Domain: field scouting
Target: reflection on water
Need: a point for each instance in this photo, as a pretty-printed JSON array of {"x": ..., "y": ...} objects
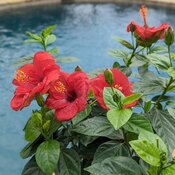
[{"x": 83, "y": 31}]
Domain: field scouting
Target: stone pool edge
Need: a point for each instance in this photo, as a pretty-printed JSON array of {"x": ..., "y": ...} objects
[{"x": 13, "y": 4}]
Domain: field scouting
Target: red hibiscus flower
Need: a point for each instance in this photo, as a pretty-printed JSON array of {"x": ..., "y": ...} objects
[
  {"x": 68, "y": 95},
  {"x": 32, "y": 79},
  {"x": 145, "y": 35},
  {"x": 121, "y": 83}
]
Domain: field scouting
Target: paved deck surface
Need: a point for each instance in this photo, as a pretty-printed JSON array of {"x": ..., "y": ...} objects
[{"x": 8, "y": 4}]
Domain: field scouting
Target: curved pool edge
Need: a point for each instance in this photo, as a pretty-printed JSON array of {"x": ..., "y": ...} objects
[{"x": 14, "y": 4}]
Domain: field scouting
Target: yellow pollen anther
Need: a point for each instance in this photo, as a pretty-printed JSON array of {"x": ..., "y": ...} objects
[
  {"x": 59, "y": 87},
  {"x": 21, "y": 76},
  {"x": 117, "y": 86},
  {"x": 143, "y": 12}
]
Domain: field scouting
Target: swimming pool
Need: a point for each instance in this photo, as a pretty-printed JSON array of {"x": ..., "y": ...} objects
[{"x": 85, "y": 31}]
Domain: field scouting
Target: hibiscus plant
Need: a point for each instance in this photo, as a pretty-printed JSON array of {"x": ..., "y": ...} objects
[{"x": 101, "y": 124}]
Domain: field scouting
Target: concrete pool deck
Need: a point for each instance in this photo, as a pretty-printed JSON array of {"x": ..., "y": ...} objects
[{"x": 11, "y": 4}]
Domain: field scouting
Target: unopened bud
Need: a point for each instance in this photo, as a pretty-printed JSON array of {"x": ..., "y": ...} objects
[
  {"x": 40, "y": 100},
  {"x": 78, "y": 68},
  {"x": 169, "y": 36},
  {"x": 108, "y": 77}
]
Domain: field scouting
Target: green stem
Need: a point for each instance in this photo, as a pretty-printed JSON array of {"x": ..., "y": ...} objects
[
  {"x": 140, "y": 50},
  {"x": 132, "y": 55},
  {"x": 132, "y": 38},
  {"x": 112, "y": 90},
  {"x": 164, "y": 92},
  {"x": 169, "y": 52},
  {"x": 93, "y": 102},
  {"x": 44, "y": 45}
]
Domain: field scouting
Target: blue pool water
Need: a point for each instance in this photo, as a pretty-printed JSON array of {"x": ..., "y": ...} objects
[{"x": 83, "y": 31}]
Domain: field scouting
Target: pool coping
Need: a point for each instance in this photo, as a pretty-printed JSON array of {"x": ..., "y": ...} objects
[{"x": 14, "y": 4}]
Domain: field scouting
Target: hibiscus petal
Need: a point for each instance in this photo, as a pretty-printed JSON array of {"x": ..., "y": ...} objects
[
  {"x": 25, "y": 75},
  {"x": 53, "y": 103},
  {"x": 18, "y": 102},
  {"x": 42, "y": 60},
  {"x": 66, "y": 113},
  {"x": 78, "y": 81}
]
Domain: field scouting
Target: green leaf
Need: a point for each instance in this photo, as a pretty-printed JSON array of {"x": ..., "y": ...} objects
[
  {"x": 115, "y": 166},
  {"x": 27, "y": 41},
  {"x": 47, "y": 31},
  {"x": 30, "y": 148},
  {"x": 157, "y": 49},
  {"x": 171, "y": 72},
  {"x": 153, "y": 170},
  {"x": 50, "y": 39},
  {"x": 126, "y": 70},
  {"x": 81, "y": 115},
  {"x": 130, "y": 99},
  {"x": 147, "y": 106},
  {"x": 116, "y": 53},
  {"x": 53, "y": 51},
  {"x": 138, "y": 123},
  {"x": 137, "y": 62},
  {"x": 161, "y": 62},
  {"x": 118, "y": 117},
  {"x": 23, "y": 60},
  {"x": 33, "y": 127},
  {"x": 34, "y": 36},
  {"x": 150, "y": 84},
  {"x": 46, "y": 125},
  {"x": 173, "y": 55},
  {"x": 171, "y": 88},
  {"x": 86, "y": 140},
  {"x": 69, "y": 163},
  {"x": 108, "y": 97},
  {"x": 47, "y": 156},
  {"x": 31, "y": 168},
  {"x": 95, "y": 73},
  {"x": 147, "y": 151},
  {"x": 67, "y": 60},
  {"x": 164, "y": 125},
  {"x": 171, "y": 112},
  {"x": 169, "y": 171},
  {"x": 96, "y": 126},
  {"x": 109, "y": 149},
  {"x": 154, "y": 139},
  {"x": 142, "y": 70},
  {"x": 124, "y": 43}
]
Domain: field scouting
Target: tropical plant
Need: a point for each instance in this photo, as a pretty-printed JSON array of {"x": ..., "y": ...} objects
[{"x": 103, "y": 125}]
